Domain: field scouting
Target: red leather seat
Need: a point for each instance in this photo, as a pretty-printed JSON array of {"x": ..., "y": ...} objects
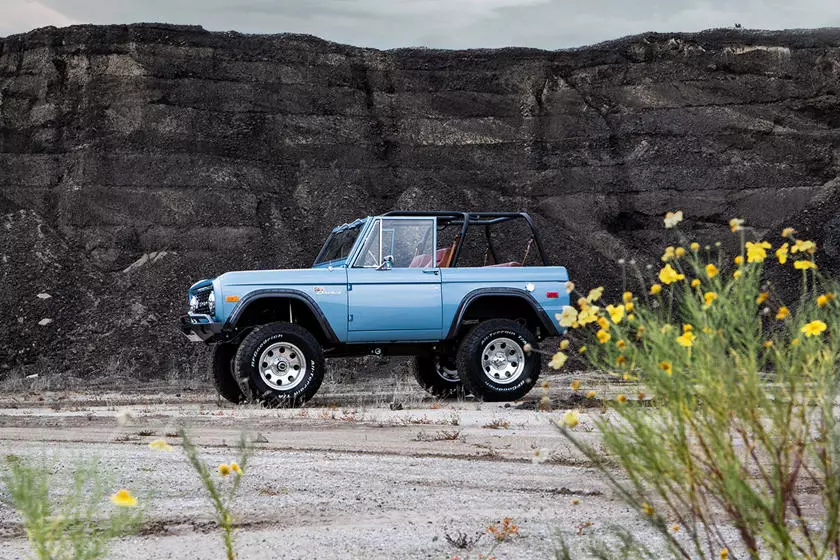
[{"x": 423, "y": 261}]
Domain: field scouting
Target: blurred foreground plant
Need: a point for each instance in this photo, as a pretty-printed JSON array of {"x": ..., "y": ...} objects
[
  {"x": 220, "y": 492},
  {"x": 739, "y": 454},
  {"x": 72, "y": 521}
]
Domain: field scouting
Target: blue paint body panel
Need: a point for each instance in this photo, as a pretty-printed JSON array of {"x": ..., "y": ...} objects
[{"x": 369, "y": 305}]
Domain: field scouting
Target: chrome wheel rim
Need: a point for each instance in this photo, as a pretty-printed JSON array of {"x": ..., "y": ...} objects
[
  {"x": 446, "y": 373},
  {"x": 503, "y": 360},
  {"x": 282, "y": 366}
]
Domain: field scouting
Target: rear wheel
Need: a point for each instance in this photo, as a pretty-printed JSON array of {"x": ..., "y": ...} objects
[
  {"x": 223, "y": 379},
  {"x": 438, "y": 375},
  {"x": 282, "y": 363},
  {"x": 493, "y": 363}
]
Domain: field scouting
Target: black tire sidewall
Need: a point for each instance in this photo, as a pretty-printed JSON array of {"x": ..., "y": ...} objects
[
  {"x": 257, "y": 341},
  {"x": 469, "y": 361},
  {"x": 425, "y": 371},
  {"x": 223, "y": 377}
]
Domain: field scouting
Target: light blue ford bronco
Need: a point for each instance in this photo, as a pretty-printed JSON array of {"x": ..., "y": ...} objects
[{"x": 459, "y": 291}]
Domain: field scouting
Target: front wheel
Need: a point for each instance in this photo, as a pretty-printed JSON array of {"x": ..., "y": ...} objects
[
  {"x": 493, "y": 363},
  {"x": 282, "y": 362},
  {"x": 438, "y": 375},
  {"x": 223, "y": 379}
]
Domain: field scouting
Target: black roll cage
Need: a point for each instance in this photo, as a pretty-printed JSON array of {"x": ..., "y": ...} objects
[{"x": 468, "y": 219}]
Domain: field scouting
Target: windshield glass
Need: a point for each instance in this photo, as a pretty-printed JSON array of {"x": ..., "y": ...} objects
[{"x": 339, "y": 244}]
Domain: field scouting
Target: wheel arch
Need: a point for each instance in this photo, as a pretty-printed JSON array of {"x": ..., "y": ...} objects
[
  {"x": 274, "y": 304},
  {"x": 485, "y": 303}
]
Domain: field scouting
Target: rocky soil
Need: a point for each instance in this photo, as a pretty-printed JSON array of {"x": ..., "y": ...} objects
[{"x": 137, "y": 159}]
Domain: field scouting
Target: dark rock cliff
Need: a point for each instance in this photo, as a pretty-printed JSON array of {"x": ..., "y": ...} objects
[{"x": 137, "y": 159}]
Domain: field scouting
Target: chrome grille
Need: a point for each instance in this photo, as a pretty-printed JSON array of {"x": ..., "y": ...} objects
[{"x": 203, "y": 297}]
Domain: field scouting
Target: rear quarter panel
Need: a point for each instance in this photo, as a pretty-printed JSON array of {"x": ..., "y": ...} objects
[{"x": 537, "y": 281}]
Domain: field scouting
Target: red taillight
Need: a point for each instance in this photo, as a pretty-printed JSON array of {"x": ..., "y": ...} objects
[{"x": 552, "y": 294}]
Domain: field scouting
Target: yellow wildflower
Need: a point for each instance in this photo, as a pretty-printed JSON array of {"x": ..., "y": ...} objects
[
  {"x": 814, "y": 328},
  {"x": 686, "y": 339},
  {"x": 688, "y": 327},
  {"x": 668, "y": 275},
  {"x": 724, "y": 554},
  {"x": 669, "y": 254},
  {"x": 557, "y": 360},
  {"x": 666, "y": 328},
  {"x": 736, "y": 224},
  {"x": 768, "y": 344},
  {"x": 234, "y": 466},
  {"x": 616, "y": 313},
  {"x": 801, "y": 246},
  {"x": 582, "y": 349},
  {"x": 822, "y": 301},
  {"x": 621, "y": 345},
  {"x": 588, "y": 315},
  {"x": 782, "y": 253},
  {"x": 708, "y": 330},
  {"x": 591, "y": 395},
  {"x": 571, "y": 419},
  {"x": 629, "y": 306},
  {"x": 603, "y": 323},
  {"x": 675, "y": 528},
  {"x": 627, "y": 297},
  {"x": 762, "y": 297},
  {"x": 794, "y": 342},
  {"x": 711, "y": 270},
  {"x": 620, "y": 360},
  {"x": 575, "y": 385},
  {"x": 568, "y": 317},
  {"x": 123, "y": 498},
  {"x": 656, "y": 289},
  {"x": 679, "y": 252},
  {"x": 695, "y": 246},
  {"x": 564, "y": 344},
  {"x": 160, "y": 445},
  {"x": 673, "y": 218},
  {"x": 788, "y": 232},
  {"x": 603, "y": 336},
  {"x": 647, "y": 508},
  {"x": 736, "y": 274},
  {"x": 666, "y": 367},
  {"x": 621, "y": 398},
  {"x": 570, "y": 287},
  {"x": 695, "y": 283},
  {"x": 595, "y": 294},
  {"x": 739, "y": 260},
  {"x": 582, "y": 303},
  {"x": 757, "y": 252},
  {"x": 224, "y": 469},
  {"x": 804, "y": 265},
  {"x": 782, "y": 313},
  {"x": 709, "y": 297},
  {"x": 640, "y": 332}
]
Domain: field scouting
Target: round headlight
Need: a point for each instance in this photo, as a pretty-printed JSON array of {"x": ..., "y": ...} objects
[
  {"x": 193, "y": 303},
  {"x": 211, "y": 302}
]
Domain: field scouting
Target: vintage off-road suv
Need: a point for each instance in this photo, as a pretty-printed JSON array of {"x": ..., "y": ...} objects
[{"x": 391, "y": 284}]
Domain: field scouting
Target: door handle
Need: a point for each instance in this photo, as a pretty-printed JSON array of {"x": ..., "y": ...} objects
[{"x": 430, "y": 271}]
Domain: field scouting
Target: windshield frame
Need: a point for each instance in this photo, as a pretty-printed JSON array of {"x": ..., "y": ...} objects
[{"x": 339, "y": 235}]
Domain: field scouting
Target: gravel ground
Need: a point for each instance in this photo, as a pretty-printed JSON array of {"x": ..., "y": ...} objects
[{"x": 325, "y": 482}]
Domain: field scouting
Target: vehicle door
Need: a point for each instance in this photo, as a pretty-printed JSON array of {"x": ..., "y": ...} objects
[{"x": 394, "y": 286}]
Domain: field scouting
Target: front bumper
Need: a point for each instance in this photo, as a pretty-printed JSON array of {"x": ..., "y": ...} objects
[{"x": 199, "y": 328}]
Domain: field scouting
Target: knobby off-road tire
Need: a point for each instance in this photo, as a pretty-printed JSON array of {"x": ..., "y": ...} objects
[
  {"x": 493, "y": 364},
  {"x": 282, "y": 364},
  {"x": 223, "y": 378},
  {"x": 438, "y": 375}
]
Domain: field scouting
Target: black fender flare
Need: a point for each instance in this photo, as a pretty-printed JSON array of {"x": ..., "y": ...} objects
[
  {"x": 545, "y": 321},
  {"x": 281, "y": 293}
]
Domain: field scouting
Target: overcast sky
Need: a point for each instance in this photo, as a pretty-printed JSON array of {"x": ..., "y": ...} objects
[{"x": 549, "y": 24}]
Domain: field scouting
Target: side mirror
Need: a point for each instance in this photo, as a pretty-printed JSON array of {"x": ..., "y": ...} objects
[{"x": 387, "y": 263}]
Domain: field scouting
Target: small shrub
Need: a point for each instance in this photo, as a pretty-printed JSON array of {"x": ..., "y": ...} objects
[
  {"x": 742, "y": 420},
  {"x": 74, "y": 521},
  {"x": 220, "y": 497}
]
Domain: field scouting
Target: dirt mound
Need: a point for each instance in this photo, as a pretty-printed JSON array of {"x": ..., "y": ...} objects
[{"x": 137, "y": 159}]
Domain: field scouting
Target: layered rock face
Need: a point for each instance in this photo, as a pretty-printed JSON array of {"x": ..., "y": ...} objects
[{"x": 137, "y": 159}]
